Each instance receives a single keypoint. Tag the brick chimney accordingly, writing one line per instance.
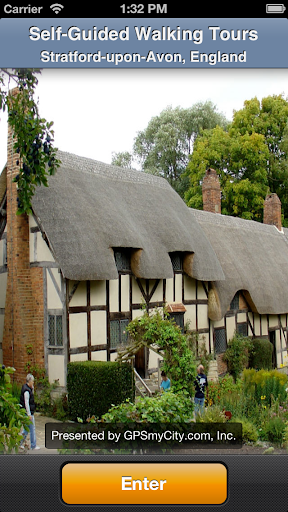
(24, 307)
(211, 192)
(272, 211)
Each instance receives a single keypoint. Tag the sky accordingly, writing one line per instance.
(100, 111)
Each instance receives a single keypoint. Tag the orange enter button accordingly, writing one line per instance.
(141, 483)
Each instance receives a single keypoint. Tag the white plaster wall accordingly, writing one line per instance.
(153, 359)
(189, 288)
(241, 317)
(98, 328)
(100, 355)
(56, 368)
(80, 296)
(137, 313)
(201, 294)
(98, 293)
(190, 316)
(78, 330)
(125, 293)
(203, 321)
(158, 294)
(169, 290)
(230, 327)
(53, 299)
(273, 321)
(256, 325)
(78, 357)
(137, 297)
(113, 295)
(178, 288)
(264, 323)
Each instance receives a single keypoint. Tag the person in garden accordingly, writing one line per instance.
(200, 384)
(27, 402)
(165, 384)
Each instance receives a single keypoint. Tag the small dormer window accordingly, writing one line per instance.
(176, 260)
(235, 302)
(122, 259)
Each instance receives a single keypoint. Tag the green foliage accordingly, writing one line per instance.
(237, 354)
(33, 135)
(198, 347)
(164, 146)
(122, 159)
(12, 416)
(217, 391)
(274, 430)
(250, 157)
(261, 354)
(265, 385)
(212, 414)
(165, 408)
(93, 386)
(157, 330)
(249, 430)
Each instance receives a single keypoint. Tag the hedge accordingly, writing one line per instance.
(94, 386)
(261, 354)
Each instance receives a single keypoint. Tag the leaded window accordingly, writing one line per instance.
(235, 302)
(176, 260)
(118, 332)
(55, 330)
(242, 329)
(122, 259)
(220, 340)
(178, 319)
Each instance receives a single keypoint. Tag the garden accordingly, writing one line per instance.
(250, 393)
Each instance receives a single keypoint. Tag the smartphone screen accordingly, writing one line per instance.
(143, 257)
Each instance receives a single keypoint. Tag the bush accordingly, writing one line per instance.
(261, 354)
(93, 386)
(265, 385)
(237, 354)
(12, 416)
(249, 431)
(165, 408)
(274, 431)
(212, 414)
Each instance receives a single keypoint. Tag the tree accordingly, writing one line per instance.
(163, 148)
(241, 162)
(250, 157)
(33, 135)
(122, 159)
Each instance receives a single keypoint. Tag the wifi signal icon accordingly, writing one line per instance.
(56, 8)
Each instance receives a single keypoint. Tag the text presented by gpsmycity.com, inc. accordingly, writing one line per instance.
(150, 436)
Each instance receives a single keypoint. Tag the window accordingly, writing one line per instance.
(118, 332)
(176, 260)
(55, 330)
(178, 319)
(235, 301)
(220, 340)
(242, 329)
(122, 259)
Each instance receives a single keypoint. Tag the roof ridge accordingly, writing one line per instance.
(110, 171)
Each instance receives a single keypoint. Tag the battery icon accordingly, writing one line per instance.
(275, 8)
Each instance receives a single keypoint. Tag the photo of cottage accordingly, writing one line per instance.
(103, 240)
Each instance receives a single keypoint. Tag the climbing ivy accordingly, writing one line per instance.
(158, 332)
(33, 134)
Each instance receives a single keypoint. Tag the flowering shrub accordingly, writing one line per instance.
(264, 385)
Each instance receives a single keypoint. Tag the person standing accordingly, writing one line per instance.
(200, 384)
(27, 402)
(165, 384)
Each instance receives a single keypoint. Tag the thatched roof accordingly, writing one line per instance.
(91, 207)
(254, 258)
